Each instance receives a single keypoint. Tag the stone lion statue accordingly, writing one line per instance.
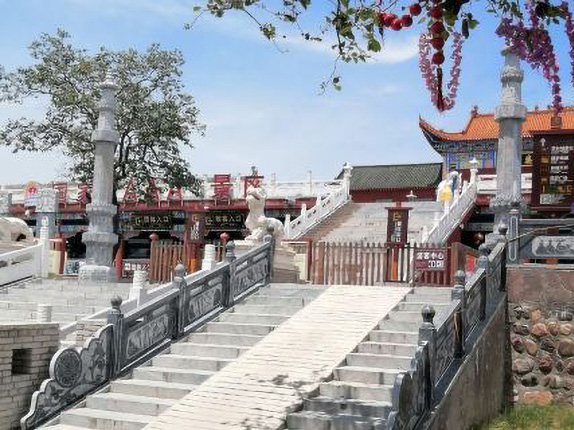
(256, 221)
(15, 230)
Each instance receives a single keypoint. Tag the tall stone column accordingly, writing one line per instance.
(100, 238)
(510, 114)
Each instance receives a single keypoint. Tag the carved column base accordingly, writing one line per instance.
(90, 274)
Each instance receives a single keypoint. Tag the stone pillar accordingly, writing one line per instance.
(138, 291)
(100, 238)
(208, 262)
(5, 203)
(45, 241)
(44, 313)
(510, 114)
(347, 172)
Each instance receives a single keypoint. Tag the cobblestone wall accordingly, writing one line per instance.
(25, 354)
(541, 311)
(542, 354)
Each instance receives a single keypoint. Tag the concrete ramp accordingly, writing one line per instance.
(259, 389)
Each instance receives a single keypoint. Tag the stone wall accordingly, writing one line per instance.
(541, 309)
(25, 353)
(478, 391)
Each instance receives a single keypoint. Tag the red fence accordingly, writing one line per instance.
(378, 263)
(166, 255)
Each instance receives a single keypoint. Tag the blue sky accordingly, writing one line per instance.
(262, 107)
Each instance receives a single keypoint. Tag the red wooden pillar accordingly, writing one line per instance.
(119, 262)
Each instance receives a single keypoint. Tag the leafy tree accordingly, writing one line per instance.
(156, 118)
(359, 28)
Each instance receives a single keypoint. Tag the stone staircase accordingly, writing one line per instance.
(70, 301)
(359, 395)
(131, 403)
(356, 222)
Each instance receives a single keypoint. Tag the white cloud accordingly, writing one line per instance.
(394, 50)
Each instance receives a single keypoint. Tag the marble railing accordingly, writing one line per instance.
(132, 338)
(454, 214)
(21, 264)
(444, 342)
(324, 207)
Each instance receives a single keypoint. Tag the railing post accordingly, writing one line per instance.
(116, 318)
(459, 293)
(209, 259)
(269, 238)
(427, 336)
(230, 260)
(503, 238)
(287, 226)
(44, 313)
(483, 263)
(179, 283)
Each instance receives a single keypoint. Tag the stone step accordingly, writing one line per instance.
(356, 390)
(261, 299)
(393, 325)
(387, 348)
(357, 422)
(308, 420)
(446, 291)
(207, 350)
(417, 306)
(276, 309)
(379, 361)
(406, 316)
(74, 310)
(155, 389)
(366, 375)
(64, 427)
(384, 336)
(428, 299)
(29, 315)
(225, 339)
(119, 402)
(238, 328)
(349, 406)
(247, 318)
(56, 297)
(175, 361)
(97, 419)
(291, 292)
(166, 374)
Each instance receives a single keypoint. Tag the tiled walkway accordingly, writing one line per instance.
(263, 385)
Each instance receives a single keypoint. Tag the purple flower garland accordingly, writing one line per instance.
(534, 45)
(431, 78)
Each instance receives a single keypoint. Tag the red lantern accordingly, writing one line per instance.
(437, 27)
(415, 9)
(438, 58)
(436, 12)
(397, 24)
(153, 237)
(437, 43)
(407, 20)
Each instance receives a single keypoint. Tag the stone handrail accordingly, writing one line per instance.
(130, 339)
(20, 264)
(454, 215)
(324, 208)
(444, 342)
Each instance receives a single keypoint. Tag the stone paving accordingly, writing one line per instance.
(267, 382)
